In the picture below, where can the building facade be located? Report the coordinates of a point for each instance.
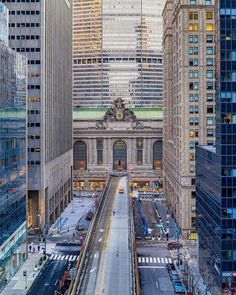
(118, 140)
(189, 100)
(13, 158)
(42, 31)
(117, 52)
(216, 168)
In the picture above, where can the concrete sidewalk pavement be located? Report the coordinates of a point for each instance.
(19, 284)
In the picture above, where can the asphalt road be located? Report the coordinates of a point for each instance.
(154, 278)
(47, 281)
(108, 271)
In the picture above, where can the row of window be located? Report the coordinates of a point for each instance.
(33, 124)
(22, 1)
(195, 85)
(194, 62)
(106, 60)
(34, 137)
(32, 150)
(24, 37)
(195, 2)
(193, 27)
(34, 162)
(194, 38)
(193, 15)
(195, 74)
(194, 50)
(27, 49)
(195, 121)
(24, 25)
(24, 12)
(33, 112)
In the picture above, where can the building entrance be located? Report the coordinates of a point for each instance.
(119, 156)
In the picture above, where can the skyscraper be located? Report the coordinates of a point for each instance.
(42, 31)
(13, 155)
(189, 120)
(117, 52)
(216, 167)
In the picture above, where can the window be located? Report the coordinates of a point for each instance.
(193, 97)
(210, 132)
(210, 121)
(210, 74)
(209, 38)
(193, 15)
(193, 74)
(210, 109)
(193, 86)
(193, 133)
(193, 194)
(191, 145)
(99, 157)
(209, 62)
(191, 168)
(192, 2)
(209, 27)
(209, 85)
(193, 181)
(208, 2)
(139, 157)
(195, 50)
(193, 27)
(209, 15)
(209, 96)
(209, 50)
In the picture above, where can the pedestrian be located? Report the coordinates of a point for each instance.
(73, 234)
(38, 248)
(33, 249)
(30, 248)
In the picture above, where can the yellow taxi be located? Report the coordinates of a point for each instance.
(121, 191)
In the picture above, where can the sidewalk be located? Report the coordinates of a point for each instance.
(18, 284)
(198, 286)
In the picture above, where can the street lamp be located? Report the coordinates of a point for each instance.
(25, 275)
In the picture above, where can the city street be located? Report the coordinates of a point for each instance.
(154, 278)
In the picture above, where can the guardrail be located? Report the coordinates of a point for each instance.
(82, 257)
(134, 273)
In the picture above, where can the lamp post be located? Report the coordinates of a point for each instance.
(25, 275)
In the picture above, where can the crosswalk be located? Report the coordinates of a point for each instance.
(64, 257)
(154, 260)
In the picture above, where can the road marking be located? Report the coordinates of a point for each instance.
(96, 255)
(150, 266)
(157, 285)
(156, 260)
(63, 257)
(100, 240)
(92, 270)
(101, 230)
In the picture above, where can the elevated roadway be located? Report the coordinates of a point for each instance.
(108, 268)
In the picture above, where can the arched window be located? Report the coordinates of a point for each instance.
(119, 156)
(157, 155)
(80, 156)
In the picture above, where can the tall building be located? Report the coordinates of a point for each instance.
(216, 167)
(42, 31)
(189, 91)
(117, 52)
(13, 156)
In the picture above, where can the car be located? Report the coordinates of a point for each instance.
(174, 245)
(121, 191)
(179, 289)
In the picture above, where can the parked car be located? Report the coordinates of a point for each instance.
(174, 245)
(179, 288)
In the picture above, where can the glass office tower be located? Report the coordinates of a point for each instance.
(13, 90)
(216, 168)
(117, 52)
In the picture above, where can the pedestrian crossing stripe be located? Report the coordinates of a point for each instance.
(64, 257)
(152, 260)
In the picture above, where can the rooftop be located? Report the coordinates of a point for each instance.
(97, 114)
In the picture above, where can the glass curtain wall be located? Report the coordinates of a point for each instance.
(12, 162)
(117, 52)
